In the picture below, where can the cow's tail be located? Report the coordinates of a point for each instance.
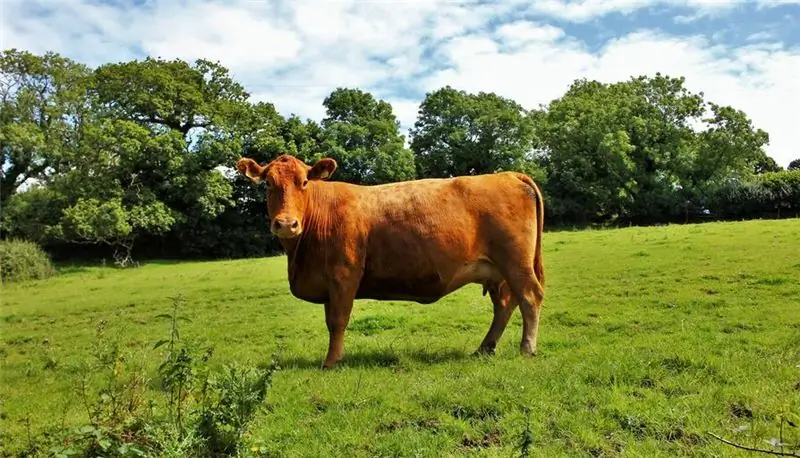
(538, 261)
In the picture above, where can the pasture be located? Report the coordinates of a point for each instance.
(649, 339)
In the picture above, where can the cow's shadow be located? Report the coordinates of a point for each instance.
(377, 359)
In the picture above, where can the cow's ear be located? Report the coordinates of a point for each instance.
(322, 169)
(251, 169)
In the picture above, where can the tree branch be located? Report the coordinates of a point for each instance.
(173, 124)
(751, 449)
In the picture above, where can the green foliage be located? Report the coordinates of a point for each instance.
(363, 136)
(171, 94)
(458, 133)
(771, 194)
(33, 214)
(43, 103)
(230, 401)
(628, 151)
(695, 330)
(22, 260)
(767, 164)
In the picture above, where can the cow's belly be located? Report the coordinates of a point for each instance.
(426, 286)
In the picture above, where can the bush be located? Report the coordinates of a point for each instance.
(768, 195)
(21, 260)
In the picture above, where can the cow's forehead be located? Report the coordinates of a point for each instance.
(285, 166)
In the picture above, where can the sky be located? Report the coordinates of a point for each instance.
(293, 53)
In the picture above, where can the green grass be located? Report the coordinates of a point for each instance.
(649, 338)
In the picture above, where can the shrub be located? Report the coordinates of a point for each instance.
(21, 260)
(773, 194)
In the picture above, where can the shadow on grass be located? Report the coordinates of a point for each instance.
(70, 269)
(83, 266)
(376, 358)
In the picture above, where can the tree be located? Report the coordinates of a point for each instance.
(794, 165)
(628, 151)
(124, 182)
(766, 164)
(729, 147)
(363, 135)
(172, 94)
(137, 172)
(43, 107)
(458, 133)
(209, 118)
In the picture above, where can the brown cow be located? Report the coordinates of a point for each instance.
(415, 241)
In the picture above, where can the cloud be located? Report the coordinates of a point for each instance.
(586, 10)
(525, 33)
(294, 53)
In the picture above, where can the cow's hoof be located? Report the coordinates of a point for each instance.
(483, 351)
(527, 351)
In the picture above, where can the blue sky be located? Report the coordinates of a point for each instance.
(295, 52)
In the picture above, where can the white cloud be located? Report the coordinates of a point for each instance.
(523, 32)
(586, 10)
(294, 53)
(245, 37)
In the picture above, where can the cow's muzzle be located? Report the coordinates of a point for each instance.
(285, 227)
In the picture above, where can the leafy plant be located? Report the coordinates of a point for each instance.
(230, 400)
(21, 260)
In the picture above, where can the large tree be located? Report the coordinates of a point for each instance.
(171, 93)
(43, 103)
(458, 133)
(148, 162)
(631, 151)
(363, 135)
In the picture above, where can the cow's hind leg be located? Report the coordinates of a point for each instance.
(504, 306)
(526, 287)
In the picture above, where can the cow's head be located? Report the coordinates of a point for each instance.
(289, 181)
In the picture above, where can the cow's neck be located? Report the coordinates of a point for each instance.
(316, 228)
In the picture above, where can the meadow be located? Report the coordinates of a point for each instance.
(650, 338)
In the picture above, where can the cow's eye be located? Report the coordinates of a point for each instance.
(305, 183)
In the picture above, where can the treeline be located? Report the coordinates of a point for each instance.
(134, 156)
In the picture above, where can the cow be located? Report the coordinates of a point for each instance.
(416, 240)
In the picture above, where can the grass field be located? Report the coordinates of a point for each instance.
(650, 338)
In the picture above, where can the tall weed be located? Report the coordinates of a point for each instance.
(192, 411)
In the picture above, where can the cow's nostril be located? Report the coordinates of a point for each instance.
(295, 224)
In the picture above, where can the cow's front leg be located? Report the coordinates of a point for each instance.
(337, 316)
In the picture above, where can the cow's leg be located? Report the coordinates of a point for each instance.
(530, 292)
(504, 306)
(337, 316)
